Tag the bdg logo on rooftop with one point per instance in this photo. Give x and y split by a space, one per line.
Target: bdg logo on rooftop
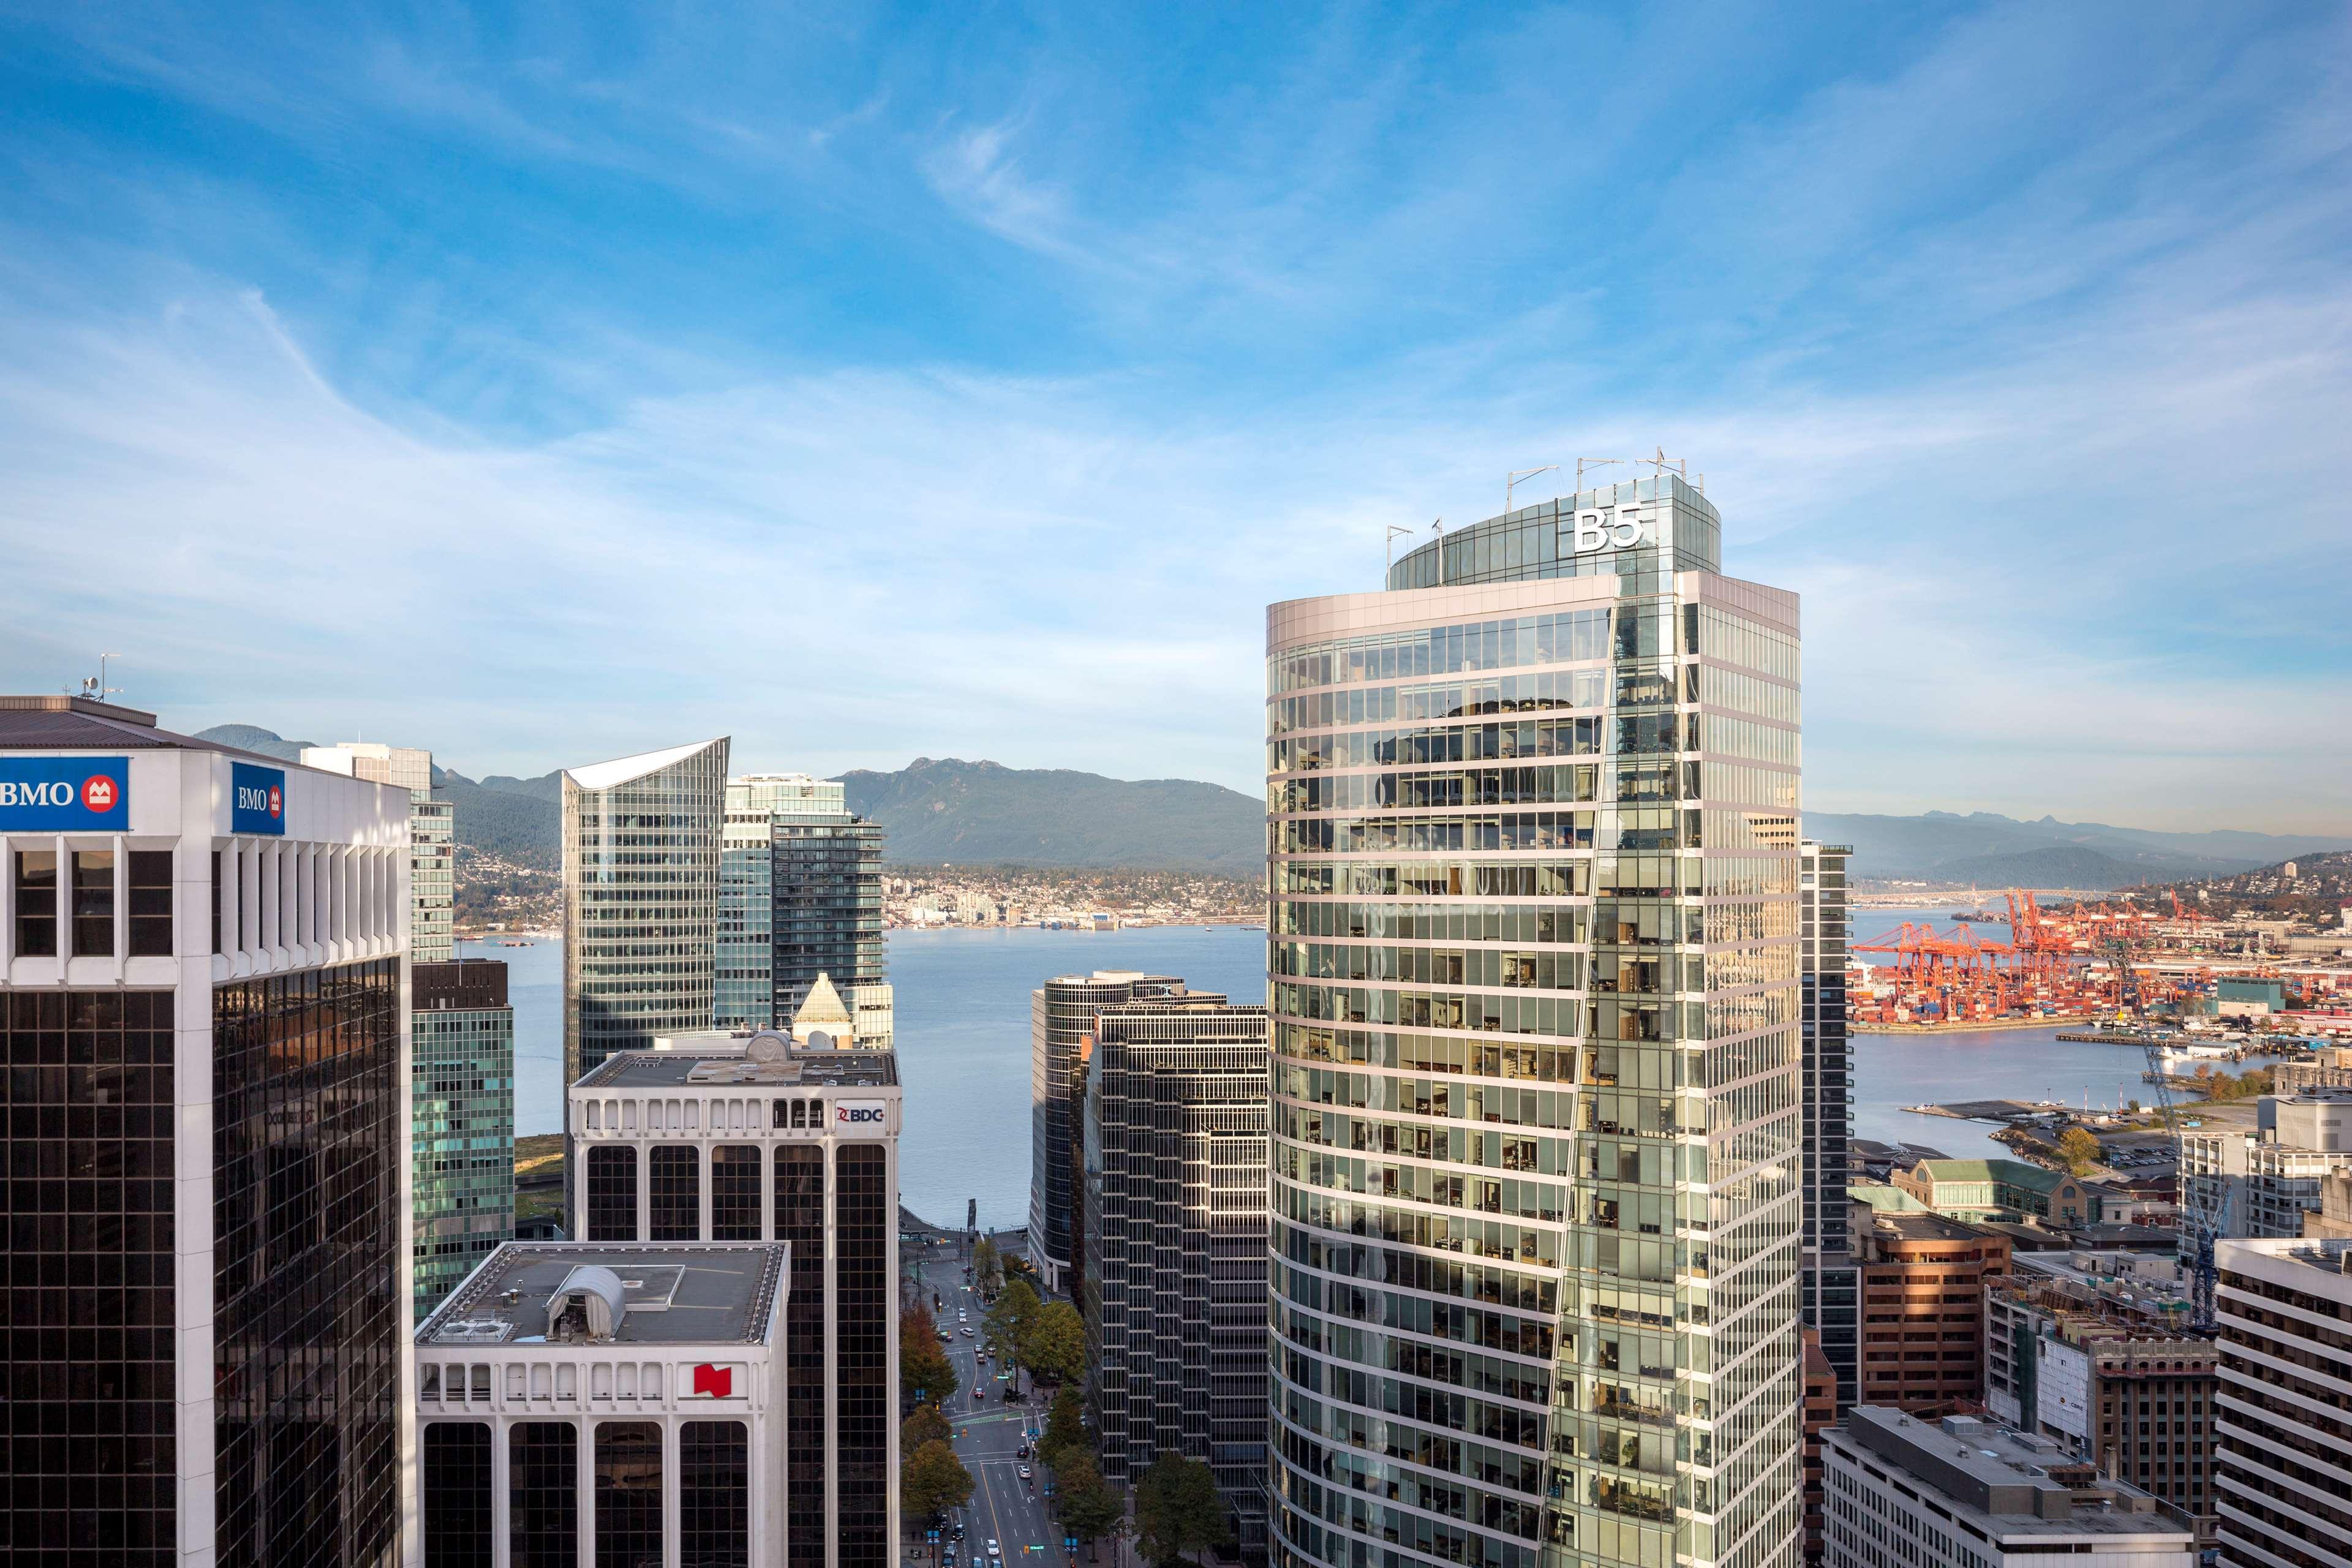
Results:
858 1113
258 800
65 795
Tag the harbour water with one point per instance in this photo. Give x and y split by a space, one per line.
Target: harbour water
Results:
963 1045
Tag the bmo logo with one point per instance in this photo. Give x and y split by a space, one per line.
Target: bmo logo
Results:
257 800
74 793
859 1115
1606 528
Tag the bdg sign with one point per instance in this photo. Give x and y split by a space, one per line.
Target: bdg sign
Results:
257 801
1604 528
859 1115
65 795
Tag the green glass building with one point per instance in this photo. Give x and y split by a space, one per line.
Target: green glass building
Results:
462 1134
1533 954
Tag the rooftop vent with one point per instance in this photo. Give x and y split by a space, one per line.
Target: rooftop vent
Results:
589 1305
475 1331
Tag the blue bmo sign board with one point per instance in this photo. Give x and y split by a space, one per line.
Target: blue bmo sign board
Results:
65 795
259 801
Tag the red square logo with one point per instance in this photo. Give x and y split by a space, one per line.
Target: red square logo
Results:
719 1382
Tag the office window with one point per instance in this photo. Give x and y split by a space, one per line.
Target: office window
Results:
93 903
628 1494
863 1406
800 1219
457 1489
611 1195
675 1187
714 1494
150 903
36 903
543 1481
735 1192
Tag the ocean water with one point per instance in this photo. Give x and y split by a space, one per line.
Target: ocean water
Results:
963 1047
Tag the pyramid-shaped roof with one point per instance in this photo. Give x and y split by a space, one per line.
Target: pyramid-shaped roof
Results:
823 1005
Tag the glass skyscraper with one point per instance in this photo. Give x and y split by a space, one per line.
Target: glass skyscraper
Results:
1061 1032
1174 1210
1832 1281
800 895
641 848
462 1139
1533 953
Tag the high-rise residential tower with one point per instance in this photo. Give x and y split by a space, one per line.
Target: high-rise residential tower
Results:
800 895
1534 956
432 835
641 848
1061 1032
1174 1210
203 962
463 1136
1832 1289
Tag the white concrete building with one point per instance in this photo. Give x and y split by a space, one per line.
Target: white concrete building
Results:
1965 1493
754 1137
602 1404
2262 1184
204 978
2284 1414
432 830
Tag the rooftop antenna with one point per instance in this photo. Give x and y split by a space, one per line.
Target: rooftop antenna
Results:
1511 481
96 689
1437 529
1394 530
1662 463
1584 463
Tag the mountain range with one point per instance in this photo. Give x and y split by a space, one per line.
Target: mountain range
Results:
940 810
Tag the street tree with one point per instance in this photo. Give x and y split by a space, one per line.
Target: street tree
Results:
1178 1512
924 1372
1056 1347
1009 1322
925 1425
2079 1148
932 1479
1089 1509
1066 1435
987 1266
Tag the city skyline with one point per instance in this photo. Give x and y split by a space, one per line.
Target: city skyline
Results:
1967 315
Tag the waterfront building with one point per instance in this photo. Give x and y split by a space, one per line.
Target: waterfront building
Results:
2001 1189
2282 1421
2112 1371
1923 1314
1174 1207
432 827
1831 1285
1061 1032
578 1404
202 960
2263 1183
731 1137
641 848
1533 953
462 1141
1967 1493
826 912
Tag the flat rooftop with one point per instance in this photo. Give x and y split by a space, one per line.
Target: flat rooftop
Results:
722 1070
685 1293
2006 1482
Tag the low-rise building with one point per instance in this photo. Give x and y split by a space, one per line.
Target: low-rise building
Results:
2284 1414
1967 1493
2332 1221
2001 1189
1820 1414
583 1403
1923 1308
2110 1369
2262 1183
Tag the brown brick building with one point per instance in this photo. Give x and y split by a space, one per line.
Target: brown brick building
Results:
1922 1310
1820 1414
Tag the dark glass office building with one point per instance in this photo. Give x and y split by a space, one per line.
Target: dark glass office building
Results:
1061 1032
826 887
1831 1281
1174 1215
205 1179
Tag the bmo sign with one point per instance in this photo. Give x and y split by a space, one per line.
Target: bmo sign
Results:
65 795
860 1115
257 800
1605 527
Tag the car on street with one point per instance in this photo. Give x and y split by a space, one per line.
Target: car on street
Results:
1025 1472
992 1552
1022 1452
967 1333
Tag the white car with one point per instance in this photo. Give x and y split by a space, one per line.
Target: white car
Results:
967 1333
1025 1472
992 1552
961 1315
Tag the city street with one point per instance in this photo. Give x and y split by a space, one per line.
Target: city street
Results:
988 1433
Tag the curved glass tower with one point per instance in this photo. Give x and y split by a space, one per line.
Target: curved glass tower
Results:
1533 954
641 848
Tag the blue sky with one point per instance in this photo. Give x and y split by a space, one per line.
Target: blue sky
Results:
875 381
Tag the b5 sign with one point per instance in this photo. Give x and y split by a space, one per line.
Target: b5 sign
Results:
65 795
860 1115
257 800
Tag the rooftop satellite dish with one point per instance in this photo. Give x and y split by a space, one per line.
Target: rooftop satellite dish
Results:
767 1046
